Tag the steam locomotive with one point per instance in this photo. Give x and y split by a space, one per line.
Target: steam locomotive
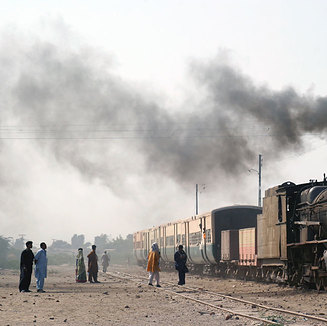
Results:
284 241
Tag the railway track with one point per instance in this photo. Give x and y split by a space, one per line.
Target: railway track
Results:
228 304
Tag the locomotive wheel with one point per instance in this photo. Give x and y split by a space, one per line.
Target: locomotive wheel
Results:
321 283
324 283
295 279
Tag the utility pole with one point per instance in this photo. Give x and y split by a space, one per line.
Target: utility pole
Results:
197 192
259 174
260 165
196 199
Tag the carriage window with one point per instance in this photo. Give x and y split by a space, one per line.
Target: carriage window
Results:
280 214
195 238
170 241
208 235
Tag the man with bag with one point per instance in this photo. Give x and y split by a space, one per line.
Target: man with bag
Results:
180 258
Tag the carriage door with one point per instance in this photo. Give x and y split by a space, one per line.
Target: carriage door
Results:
155 236
148 242
187 239
204 239
202 225
164 244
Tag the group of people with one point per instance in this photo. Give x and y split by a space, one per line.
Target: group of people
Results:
26 267
92 265
41 261
153 267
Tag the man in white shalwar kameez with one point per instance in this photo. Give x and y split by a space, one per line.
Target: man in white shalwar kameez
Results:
41 262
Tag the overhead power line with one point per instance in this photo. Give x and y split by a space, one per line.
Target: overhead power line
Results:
120 131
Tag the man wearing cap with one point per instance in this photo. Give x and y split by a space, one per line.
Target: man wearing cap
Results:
26 267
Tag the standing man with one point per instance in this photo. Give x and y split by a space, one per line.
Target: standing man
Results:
153 264
180 258
41 262
26 265
105 261
93 265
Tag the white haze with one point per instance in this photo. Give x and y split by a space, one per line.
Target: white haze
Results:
97 139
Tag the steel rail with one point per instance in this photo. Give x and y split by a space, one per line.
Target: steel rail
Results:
269 322
295 313
290 312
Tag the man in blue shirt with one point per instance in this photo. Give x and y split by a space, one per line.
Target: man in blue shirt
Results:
41 262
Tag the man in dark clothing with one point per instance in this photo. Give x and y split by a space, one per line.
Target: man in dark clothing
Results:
26 264
180 258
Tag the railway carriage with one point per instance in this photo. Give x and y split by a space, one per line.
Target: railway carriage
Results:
200 235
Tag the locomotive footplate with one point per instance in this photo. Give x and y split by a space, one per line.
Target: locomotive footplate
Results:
321 273
312 242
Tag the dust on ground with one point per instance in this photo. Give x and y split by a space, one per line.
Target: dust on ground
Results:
120 302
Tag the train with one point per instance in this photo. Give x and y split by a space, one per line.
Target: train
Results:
284 241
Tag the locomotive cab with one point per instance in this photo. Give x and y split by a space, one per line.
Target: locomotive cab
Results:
307 227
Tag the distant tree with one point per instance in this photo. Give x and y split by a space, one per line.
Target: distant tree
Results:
19 243
122 249
78 241
60 244
101 242
87 245
122 245
4 249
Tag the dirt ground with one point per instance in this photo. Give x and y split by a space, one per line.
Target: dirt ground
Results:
118 302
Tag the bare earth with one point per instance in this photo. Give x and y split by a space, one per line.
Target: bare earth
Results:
119 302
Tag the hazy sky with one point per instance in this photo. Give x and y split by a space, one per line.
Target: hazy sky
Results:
112 111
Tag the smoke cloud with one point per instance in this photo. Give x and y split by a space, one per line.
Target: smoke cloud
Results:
68 101
287 114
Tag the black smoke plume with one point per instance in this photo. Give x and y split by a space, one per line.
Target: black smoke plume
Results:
68 100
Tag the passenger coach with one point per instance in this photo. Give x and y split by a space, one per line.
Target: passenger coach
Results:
200 235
